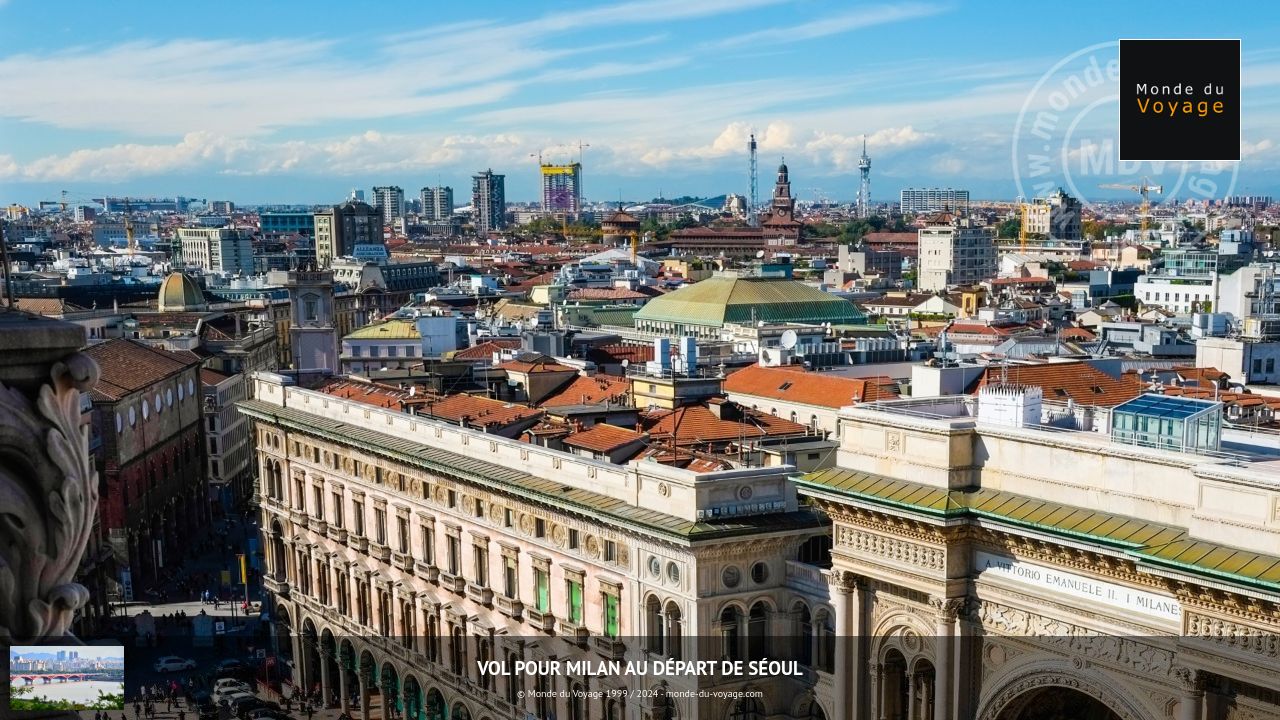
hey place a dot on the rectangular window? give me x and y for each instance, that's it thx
(539, 528)
(380, 525)
(511, 577)
(318, 495)
(573, 539)
(610, 551)
(574, 590)
(1271, 365)
(428, 545)
(479, 508)
(455, 553)
(542, 579)
(357, 517)
(506, 518)
(337, 510)
(611, 615)
(402, 531)
(453, 499)
(481, 565)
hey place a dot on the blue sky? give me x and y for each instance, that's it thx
(301, 101)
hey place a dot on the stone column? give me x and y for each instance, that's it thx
(364, 695)
(344, 692)
(877, 690)
(42, 375)
(946, 609)
(841, 589)
(1191, 704)
(913, 696)
(299, 661)
(324, 672)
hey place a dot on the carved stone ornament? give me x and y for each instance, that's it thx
(48, 492)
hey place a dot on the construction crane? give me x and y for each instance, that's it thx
(1022, 227)
(1144, 211)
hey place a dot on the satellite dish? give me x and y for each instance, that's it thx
(626, 363)
(759, 253)
(789, 339)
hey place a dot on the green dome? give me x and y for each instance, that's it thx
(731, 299)
(179, 293)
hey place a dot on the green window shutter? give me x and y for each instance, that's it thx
(575, 603)
(611, 615)
(544, 591)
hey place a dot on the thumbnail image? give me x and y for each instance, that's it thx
(66, 677)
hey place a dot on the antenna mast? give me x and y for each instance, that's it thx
(754, 201)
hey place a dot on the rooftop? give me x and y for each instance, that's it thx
(808, 388)
(128, 366)
(390, 329)
(730, 298)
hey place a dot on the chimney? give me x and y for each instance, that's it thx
(1010, 405)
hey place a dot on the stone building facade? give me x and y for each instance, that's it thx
(403, 551)
(1007, 571)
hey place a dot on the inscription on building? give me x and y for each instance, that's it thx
(1066, 583)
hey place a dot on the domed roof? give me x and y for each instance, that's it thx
(730, 298)
(180, 293)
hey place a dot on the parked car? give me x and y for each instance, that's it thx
(242, 707)
(228, 682)
(230, 695)
(173, 663)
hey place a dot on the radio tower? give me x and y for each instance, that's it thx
(864, 189)
(754, 201)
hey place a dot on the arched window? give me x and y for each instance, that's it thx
(731, 632)
(654, 621)
(826, 641)
(802, 634)
(664, 708)
(758, 631)
(577, 708)
(794, 417)
(675, 631)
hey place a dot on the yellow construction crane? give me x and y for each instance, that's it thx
(1022, 227)
(1144, 211)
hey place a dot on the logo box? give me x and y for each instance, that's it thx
(1180, 100)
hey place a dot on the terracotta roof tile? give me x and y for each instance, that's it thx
(595, 390)
(808, 388)
(128, 366)
(1078, 381)
(543, 364)
(365, 392)
(698, 425)
(486, 349)
(478, 412)
(604, 438)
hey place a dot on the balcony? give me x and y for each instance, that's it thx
(359, 543)
(510, 607)
(402, 561)
(609, 648)
(480, 594)
(430, 573)
(276, 583)
(574, 633)
(319, 526)
(807, 579)
(455, 584)
(380, 551)
(545, 622)
(298, 516)
(337, 533)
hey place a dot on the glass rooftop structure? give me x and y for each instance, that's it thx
(1175, 423)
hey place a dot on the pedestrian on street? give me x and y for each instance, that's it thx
(311, 710)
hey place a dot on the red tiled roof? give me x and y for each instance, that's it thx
(486, 349)
(1075, 333)
(583, 390)
(477, 411)
(1021, 281)
(368, 393)
(1060, 382)
(617, 353)
(808, 388)
(604, 438)
(128, 366)
(697, 425)
(211, 377)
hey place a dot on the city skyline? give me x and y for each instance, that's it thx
(91, 652)
(278, 107)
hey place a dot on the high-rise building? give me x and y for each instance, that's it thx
(389, 200)
(923, 200)
(437, 203)
(1055, 218)
(562, 188)
(955, 250)
(222, 207)
(226, 250)
(489, 201)
(340, 229)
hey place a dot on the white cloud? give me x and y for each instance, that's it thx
(858, 19)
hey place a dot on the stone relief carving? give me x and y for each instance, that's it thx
(1075, 641)
(48, 499)
(1232, 635)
